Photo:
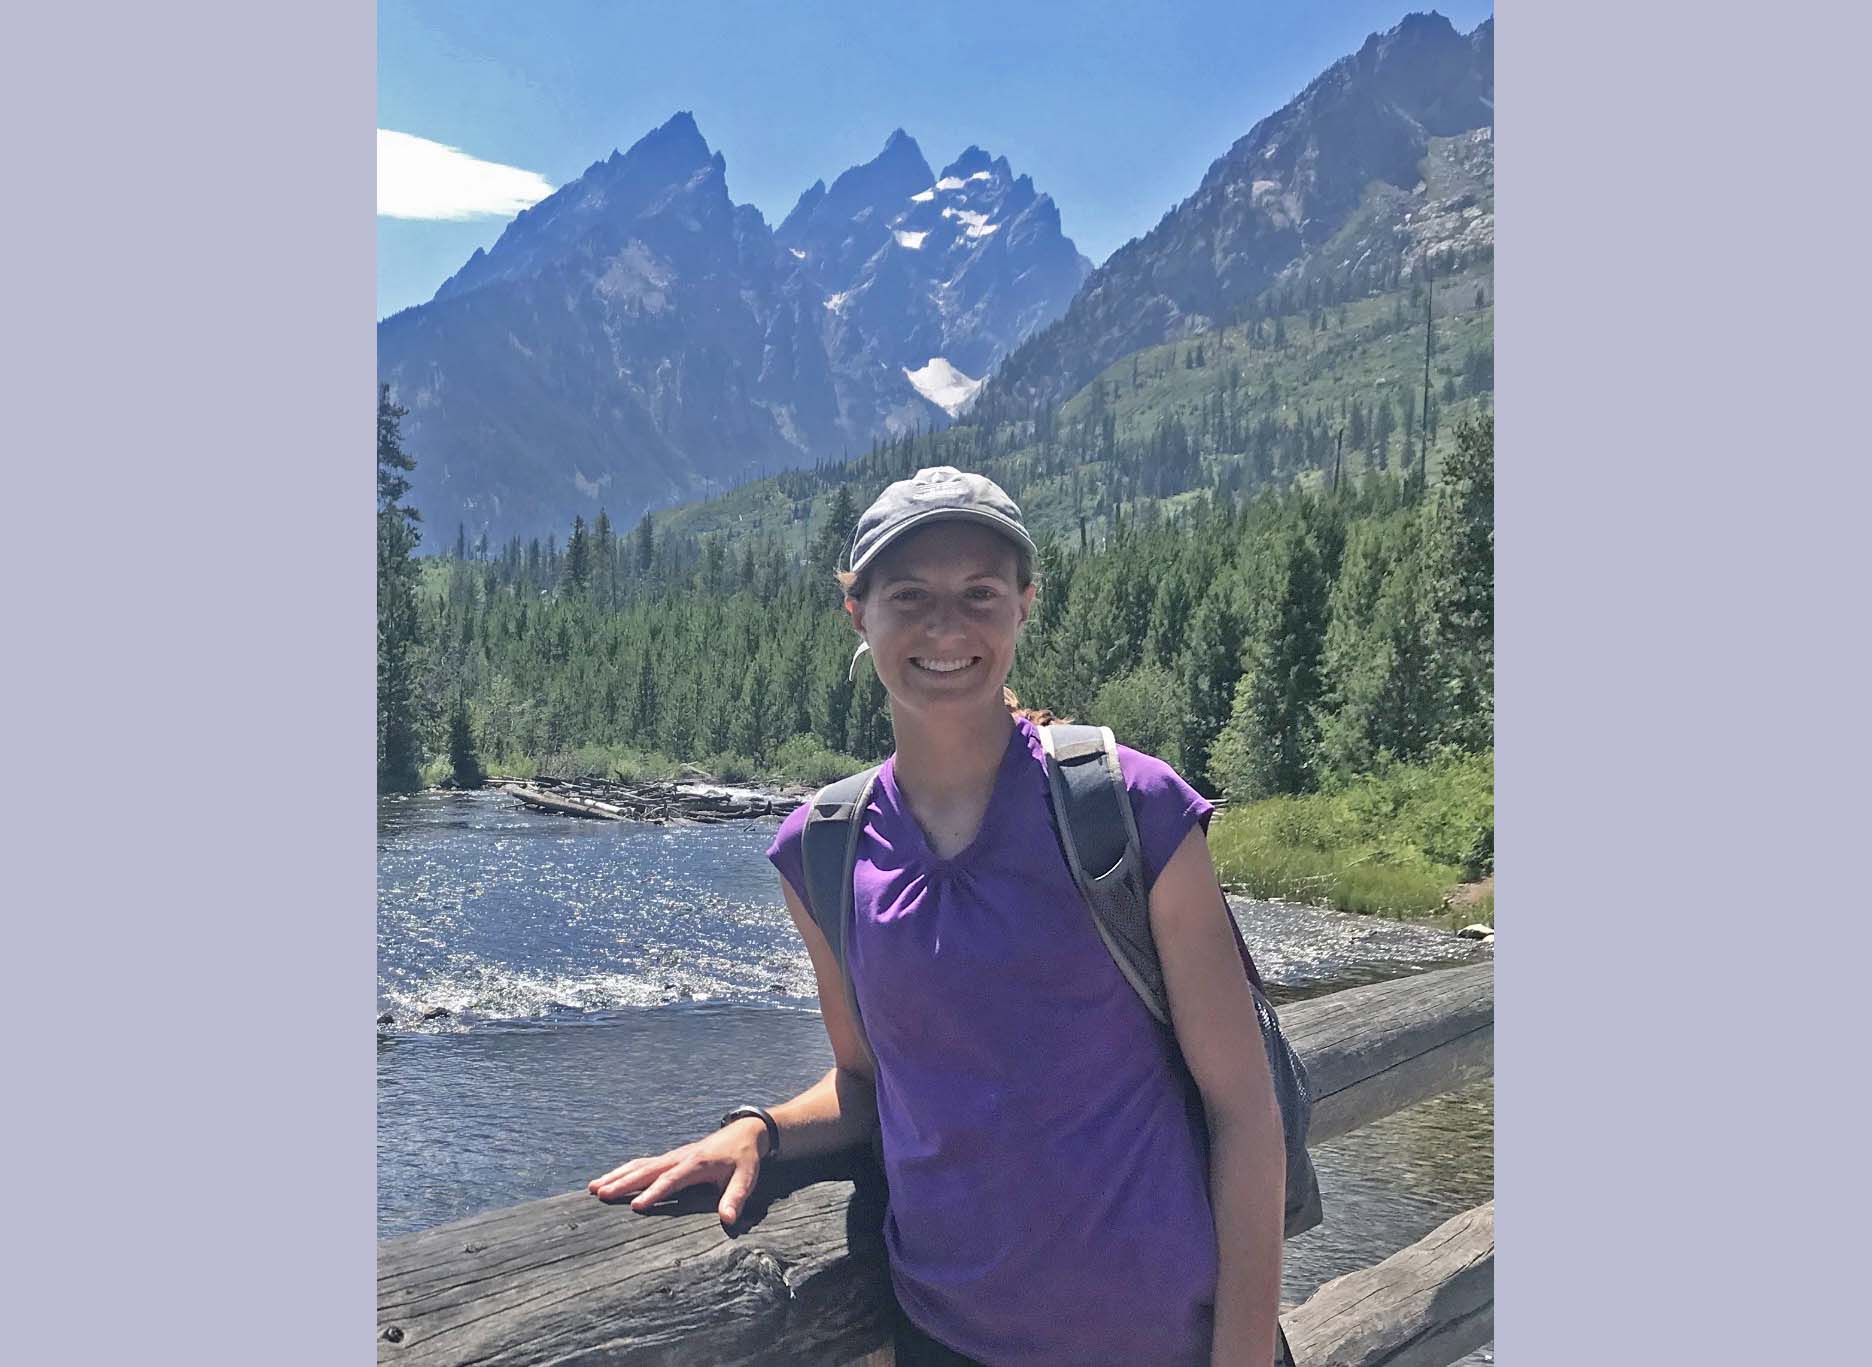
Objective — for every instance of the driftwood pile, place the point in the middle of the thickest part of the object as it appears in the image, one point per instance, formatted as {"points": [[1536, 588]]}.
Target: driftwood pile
{"points": [[611, 800]]}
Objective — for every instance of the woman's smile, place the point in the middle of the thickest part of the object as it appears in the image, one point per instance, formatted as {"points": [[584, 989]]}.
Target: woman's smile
{"points": [[950, 666]]}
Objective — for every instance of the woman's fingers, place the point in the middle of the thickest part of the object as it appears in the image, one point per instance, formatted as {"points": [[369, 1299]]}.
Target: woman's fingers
{"points": [[681, 1175], [628, 1177], [703, 1161], [734, 1195]]}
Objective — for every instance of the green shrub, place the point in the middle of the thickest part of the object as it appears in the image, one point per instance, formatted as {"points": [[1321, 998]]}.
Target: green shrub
{"points": [[1392, 843], [805, 759], [729, 767], [513, 766]]}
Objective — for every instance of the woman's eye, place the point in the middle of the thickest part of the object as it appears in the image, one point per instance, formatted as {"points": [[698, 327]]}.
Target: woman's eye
{"points": [[981, 593]]}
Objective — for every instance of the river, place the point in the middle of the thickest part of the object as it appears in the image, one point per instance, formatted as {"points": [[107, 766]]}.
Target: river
{"points": [[566, 994]]}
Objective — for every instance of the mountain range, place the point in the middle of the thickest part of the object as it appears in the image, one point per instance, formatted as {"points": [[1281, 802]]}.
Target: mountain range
{"points": [[637, 339]]}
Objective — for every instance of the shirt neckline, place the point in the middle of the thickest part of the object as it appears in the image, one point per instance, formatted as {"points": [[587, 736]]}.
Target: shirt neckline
{"points": [[1018, 747]]}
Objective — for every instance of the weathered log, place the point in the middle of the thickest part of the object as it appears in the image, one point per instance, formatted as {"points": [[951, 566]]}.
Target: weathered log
{"points": [[569, 1281], [1424, 1306], [566, 806], [802, 1279], [1373, 1050], [654, 802]]}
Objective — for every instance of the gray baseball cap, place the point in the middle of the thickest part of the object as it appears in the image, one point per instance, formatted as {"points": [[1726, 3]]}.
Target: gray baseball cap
{"points": [[940, 493]]}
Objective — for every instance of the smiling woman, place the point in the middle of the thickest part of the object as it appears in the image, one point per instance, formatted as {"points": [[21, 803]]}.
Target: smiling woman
{"points": [[1071, 1180]]}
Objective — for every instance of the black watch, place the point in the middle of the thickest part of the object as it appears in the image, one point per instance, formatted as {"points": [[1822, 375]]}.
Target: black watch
{"points": [[760, 1114]]}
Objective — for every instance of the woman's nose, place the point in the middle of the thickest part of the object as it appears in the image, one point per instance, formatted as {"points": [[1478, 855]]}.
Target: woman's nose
{"points": [[945, 619]]}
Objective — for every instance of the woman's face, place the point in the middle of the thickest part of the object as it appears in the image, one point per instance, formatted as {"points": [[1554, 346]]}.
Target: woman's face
{"points": [[942, 612]]}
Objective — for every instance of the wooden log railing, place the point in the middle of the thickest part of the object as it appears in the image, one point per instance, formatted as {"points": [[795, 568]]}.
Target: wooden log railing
{"points": [[1424, 1306], [802, 1278]]}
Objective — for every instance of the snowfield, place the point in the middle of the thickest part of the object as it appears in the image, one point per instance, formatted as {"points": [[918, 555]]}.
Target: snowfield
{"points": [[943, 385]]}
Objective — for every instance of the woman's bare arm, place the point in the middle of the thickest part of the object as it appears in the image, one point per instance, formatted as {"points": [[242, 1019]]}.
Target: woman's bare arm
{"points": [[837, 1111], [1212, 1010]]}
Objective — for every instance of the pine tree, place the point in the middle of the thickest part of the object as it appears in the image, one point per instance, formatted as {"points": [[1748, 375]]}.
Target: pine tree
{"points": [[604, 560], [1211, 666], [643, 701], [646, 546], [399, 759], [1383, 421], [1381, 700], [714, 564], [465, 769], [577, 573], [829, 546], [1459, 587], [1270, 742]]}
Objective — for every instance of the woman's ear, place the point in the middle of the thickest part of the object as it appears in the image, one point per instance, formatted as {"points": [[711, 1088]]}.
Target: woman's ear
{"points": [[854, 612], [1027, 602]]}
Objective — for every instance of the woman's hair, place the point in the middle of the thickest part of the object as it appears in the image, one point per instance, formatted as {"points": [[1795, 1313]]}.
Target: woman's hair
{"points": [[855, 585], [1039, 716]]}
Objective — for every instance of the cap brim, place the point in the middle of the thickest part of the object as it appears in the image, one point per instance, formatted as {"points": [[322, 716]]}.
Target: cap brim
{"points": [[1009, 528]]}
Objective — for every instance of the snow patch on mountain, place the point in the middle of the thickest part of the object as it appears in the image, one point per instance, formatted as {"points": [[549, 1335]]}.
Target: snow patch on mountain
{"points": [[914, 241], [949, 183], [943, 385], [923, 197]]}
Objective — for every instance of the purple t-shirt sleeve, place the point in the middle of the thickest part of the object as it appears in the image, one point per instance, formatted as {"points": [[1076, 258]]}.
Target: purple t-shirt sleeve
{"points": [[787, 853], [1164, 807]]}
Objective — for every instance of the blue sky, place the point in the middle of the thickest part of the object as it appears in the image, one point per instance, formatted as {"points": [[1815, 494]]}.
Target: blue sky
{"points": [[1116, 110]]}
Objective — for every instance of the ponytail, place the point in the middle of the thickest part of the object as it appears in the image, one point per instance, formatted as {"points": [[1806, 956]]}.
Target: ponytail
{"points": [[1039, 716]]}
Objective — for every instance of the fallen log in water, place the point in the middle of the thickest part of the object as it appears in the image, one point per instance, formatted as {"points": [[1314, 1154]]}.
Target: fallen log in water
{"points": [[802, 1279], [1424, 1306], [609, 800], [562, 804]]}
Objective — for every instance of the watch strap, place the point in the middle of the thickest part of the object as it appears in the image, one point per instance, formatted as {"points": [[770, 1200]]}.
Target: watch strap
{"points": [[759, 1113]]}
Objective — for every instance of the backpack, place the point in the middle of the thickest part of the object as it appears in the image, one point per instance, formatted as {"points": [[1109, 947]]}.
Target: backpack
{"points": [[1098, 835]]}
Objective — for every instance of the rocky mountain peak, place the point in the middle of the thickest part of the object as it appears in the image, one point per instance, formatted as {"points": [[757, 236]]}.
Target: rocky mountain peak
{"points": [[672, 152], [878, 186], [1321, 184]]}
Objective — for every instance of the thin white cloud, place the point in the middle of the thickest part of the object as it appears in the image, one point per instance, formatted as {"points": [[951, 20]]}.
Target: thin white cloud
{"points": [[417, 178]]}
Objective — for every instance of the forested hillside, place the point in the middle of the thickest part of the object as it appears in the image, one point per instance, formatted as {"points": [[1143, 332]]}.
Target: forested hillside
{"points": [[1263, 645]]}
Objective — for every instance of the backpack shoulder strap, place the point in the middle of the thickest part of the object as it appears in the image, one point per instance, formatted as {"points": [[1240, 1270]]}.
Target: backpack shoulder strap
{"points": [[829, 852], [1099, 836]]}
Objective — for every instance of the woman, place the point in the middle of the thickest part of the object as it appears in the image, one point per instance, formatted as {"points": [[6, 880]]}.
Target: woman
{"points": [[1054, 1198]]}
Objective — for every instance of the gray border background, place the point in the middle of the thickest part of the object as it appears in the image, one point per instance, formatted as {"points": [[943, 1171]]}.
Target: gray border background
{"points": [[190, 894], [190, 869], [1676, 570]]}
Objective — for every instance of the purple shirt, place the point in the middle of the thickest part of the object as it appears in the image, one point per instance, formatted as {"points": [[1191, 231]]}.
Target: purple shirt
{"points": [[1049, 1186]]}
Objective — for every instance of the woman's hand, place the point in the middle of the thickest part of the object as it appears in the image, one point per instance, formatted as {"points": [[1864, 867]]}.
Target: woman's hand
{"points": [[730, 1158]]}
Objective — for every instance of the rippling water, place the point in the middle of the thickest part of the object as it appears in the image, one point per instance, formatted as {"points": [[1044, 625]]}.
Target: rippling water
{"points": [[566, 994]]}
